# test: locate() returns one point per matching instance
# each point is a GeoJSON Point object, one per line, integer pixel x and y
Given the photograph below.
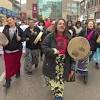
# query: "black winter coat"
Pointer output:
{"type": "Point", "coordinates": [29, 43]}
{"type": "Point", "coordinates": [49, 61]}
{"type": "Point", "coordinates": [13, 44]}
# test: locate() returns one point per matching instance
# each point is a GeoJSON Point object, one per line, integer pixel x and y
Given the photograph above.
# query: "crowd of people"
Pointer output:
{"type": "Point", "coordinates": [58, 66]}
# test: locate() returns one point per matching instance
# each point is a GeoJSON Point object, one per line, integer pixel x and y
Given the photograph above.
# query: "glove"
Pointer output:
{"type": "Point", "coordinates": [55, 51]}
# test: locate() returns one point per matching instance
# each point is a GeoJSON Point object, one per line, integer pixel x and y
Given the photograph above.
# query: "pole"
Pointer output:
{"type": "Point", "coordinates": [77, 9]}
{"type": "Point", "coordinates": [86, 8]}
{"type": "Point", "coordinates": [20, 9]}
{"type": "Point", "coordinates": [71, 10]}
{"type": "Point", "coordinates": [20, 5]}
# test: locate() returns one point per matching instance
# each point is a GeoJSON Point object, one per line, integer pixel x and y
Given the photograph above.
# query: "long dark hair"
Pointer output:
{"type": "Point", "coordinates": [56, 23]}
{"type": "Point", "coordinates": [92, 22]}
{"type": "Point", "coordinates": [70, 22]}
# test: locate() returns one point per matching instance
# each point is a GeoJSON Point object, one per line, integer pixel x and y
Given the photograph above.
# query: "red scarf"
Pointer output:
{"type": "Point", "coordinates": [62, 43]}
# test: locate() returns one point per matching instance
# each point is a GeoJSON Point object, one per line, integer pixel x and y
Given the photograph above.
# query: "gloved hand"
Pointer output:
{"type": "Point", "coordinates": [55, 51]}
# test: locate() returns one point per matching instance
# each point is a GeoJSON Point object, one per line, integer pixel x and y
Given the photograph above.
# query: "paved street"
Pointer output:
{"type": "Point", "coordinates": [61, 20]}
{"type": "Point", "coordinates": [32, 87]}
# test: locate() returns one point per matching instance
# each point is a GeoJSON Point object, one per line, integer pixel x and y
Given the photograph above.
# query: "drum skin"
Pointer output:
{"type": "Point", "coordinates": [3, 40]}
{"type": "Point", "coordinates": [98, 39]}
{"type": "Point", "coordinates": [38, 38]}
{"type": "Point", "coordinates": [78, 48]}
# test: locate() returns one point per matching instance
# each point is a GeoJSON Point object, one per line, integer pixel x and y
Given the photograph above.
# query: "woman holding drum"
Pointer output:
{"type": "Point", "coordinates": [57, 63]}
{"type": "Point", "coordinates": [89, 34]}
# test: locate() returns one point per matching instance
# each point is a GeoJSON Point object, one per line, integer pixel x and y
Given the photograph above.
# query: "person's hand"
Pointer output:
{"type": "Point", "coordinates": [31, 30]}
{"type": "Point", "coordinates": [71, 75]}
{"type": "Point", "coordinates": [18, 37]}
{"type": "Point", "coordinates": [27, 39]}
{"type": "Point", "coordinates": [55, 51]}
{"type": "Point", "coordinates": [1, 45]}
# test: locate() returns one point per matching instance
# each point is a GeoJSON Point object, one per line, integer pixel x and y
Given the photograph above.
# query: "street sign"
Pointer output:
{"type": "Point", "coordinates": [34, 10]}
{"type": "Point", "coordinates": [7, 12]}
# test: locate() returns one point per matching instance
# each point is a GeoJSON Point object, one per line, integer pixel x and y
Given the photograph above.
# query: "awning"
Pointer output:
{"type": "Point", "coordinates": [7, 12]}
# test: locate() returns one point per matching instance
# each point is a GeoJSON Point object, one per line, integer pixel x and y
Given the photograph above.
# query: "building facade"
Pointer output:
{"type": "Point", "coordinates": [8, 8]}
{"type": "Point", "coordinates": [6, 4]}
{"type": "Point", "coordinates": [44, 8]}
{"type": "Point", "coordinates": [67, 9]}
{"type": "Point", "coordinates": [50, 8]}
{"type": "Point", "coordinates": [90, 9]}
{"type": "Point", "coordinates": [31, 8]}
{"type": "Point", "coordinates": [70, 9]}
{"type": "Point", "coordinates": [16, 6]}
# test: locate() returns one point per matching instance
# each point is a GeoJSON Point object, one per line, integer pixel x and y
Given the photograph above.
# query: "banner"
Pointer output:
{"type": "Point", "coordinates": [34, 10]}
{"type": "Point", "coordinates": [7, 12]}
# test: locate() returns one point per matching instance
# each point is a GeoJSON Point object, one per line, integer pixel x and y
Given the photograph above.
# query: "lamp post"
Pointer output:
{"type": "Point", "coordinates": [77, 10]}
{"type": "Point", "coordinates": [86, 8]}
{"type": "Point", "coordinates": [20, 5]}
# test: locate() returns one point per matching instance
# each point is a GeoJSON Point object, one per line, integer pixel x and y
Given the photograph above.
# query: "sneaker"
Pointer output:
{"type": "Point", "coordinates": [7, 83]}
{"type": "Point", "coordinates": [18, 75]}
{"type": "Point", "coordinates": [59, 98]}
{"type": "Point", "coordinates": [29, 72]}
{"type": "Point", "coordinates": [96, 65]}
{"type": "Point", "coordinates": [36, 65]}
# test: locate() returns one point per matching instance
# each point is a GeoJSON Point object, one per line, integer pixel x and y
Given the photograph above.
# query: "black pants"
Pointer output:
{"type": "Point", "coordinates": [91, 56]}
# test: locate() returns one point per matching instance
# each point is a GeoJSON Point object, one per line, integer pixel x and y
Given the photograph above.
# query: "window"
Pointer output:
{"type": "Point", "coordinates": [96, 2]}
{"type": "Point", "coordinates": [50, 8]}
{"type": "Point", "coordinates": [92, 2]}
